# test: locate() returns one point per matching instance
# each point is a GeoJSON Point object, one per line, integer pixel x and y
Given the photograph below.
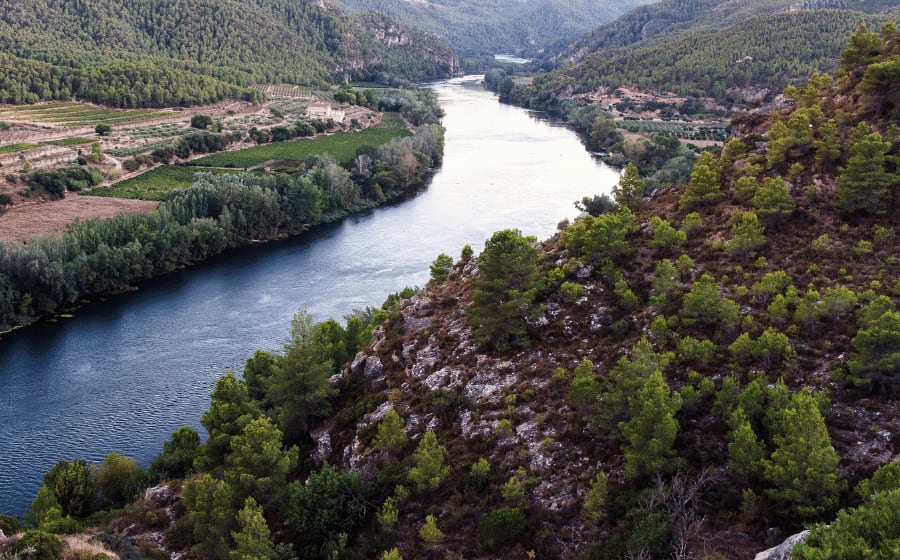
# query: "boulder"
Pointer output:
{"type": "Point", "coordinates": [160, 496]}
{"type": "Point", "coordinates": [783, 551]}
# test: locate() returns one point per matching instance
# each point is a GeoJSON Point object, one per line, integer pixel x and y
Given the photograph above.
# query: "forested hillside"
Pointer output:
{"type": "Point", "coordinates": [694, 374]}
{"type": "Point", "coordinates": [129, 53]}
{"type": "Point", "coordinates": [669, 18]}
{"type": "Point", "coordinates": [500, 26]}
{"type": "Point", "coordinates": [762, 52]}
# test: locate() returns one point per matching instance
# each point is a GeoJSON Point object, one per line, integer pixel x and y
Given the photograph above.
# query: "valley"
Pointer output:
{"type": "Point", "coordinates": [640, 287]}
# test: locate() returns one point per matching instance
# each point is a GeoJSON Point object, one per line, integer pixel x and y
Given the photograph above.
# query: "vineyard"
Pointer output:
{"type": "Point", "coordinates": [78, 114]}
{"type": "Point", "coordinates": [682, 129]}
{"type": "Point", "coordinates": [341, 146]}
{"type": "Point", "coordinates": [154, 184]}
{"type": "Point", "coordinates": [285, 90]}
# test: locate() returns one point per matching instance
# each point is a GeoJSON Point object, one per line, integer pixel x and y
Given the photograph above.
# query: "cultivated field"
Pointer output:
{"type": "Point", "coordinates": [154, 184]}
{"type": "Point", "coordinates": [78, 114]}
{"type": "Point", "coordinates": [341, 146]}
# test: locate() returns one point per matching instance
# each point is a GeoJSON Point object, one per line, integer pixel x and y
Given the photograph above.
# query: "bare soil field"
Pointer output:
{"type": "Point", "coordinates": [29, 221]}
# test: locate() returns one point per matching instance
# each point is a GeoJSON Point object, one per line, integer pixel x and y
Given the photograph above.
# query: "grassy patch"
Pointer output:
{"type": "Point", "coordinates": [341, 145]}
{"type": "Point", "coordinates": [154, 184]}
{"type": "Point", "coordinates": [75, 141]}
{"type": "Point", "coordinates": [17, 148]}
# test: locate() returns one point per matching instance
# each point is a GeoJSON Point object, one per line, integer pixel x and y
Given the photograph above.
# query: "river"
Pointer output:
{"type": "Point", "coordinates": [123, 373]}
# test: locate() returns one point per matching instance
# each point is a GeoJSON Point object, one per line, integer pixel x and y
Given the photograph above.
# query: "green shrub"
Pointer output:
{"type": "Point", "coordinates": [885, 479]}
{"type": "Point", "coordinates": [570, 292]}
{"type": "Point", "coordinates": [38, 545]}
{"type": "Point", "coordinates": [440, 268]}
{"type": "Point", "coordinates": [869, 531]}
{"type": "Point", "coordinates": [501, 527]}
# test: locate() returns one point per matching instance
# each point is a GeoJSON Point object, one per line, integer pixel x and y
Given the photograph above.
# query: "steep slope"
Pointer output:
{"type": "Point", "coordinates": [500, 26]}
{"type": "Point", "coordinates": [118, 51]}
{"type": "Point", "coordinates": [760, 317]}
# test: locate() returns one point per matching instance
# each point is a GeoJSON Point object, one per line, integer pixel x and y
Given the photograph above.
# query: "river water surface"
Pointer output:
{"type": "Point", "coordinates": [122, 374]}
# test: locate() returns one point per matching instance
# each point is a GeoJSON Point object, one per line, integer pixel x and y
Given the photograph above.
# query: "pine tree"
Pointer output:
{"type": "Point", "coordinates": [429, 470]}
{"type": "Point", "coordinates": [705, 187]}
{"type": "Point", "coordinates": [748, 235]}
{"type": "Point", "coordinates": [229, 412]}
{"type": "Point", "coordinates": [802, 472]}
{"type": "Point", "coordinates": [504, 294]}
{"type": "Point", "coordinates": [251, 542]}
{"type": "Point", "coordinates": [390, 436]}
{"type": "Point", "coordinates": [863, 185]}
{"type": "Point", "coordinates": [876, 352]}
{"type": "Point", "coordinates": [430, 534]}
{"type": "Point", "coordinates": [258, 464]}
{"type": "Point", "coordinates": [595, 498]}
{"type": "Point", "coordinates": [773, 201]}
{"type": "Point", "coordinates": [745, 451]}
{"type": "Point", "coordinates": [650, 434]}
{"type": "Point", "coordinates": [630, 189]}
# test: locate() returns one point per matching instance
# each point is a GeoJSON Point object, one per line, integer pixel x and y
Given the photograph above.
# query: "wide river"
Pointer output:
{"type": "Point", "coordinates": [122, 374]}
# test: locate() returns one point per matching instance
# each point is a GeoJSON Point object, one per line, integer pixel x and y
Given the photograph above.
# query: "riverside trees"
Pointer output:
{"type": "Point", "coordinates": [217, 212]}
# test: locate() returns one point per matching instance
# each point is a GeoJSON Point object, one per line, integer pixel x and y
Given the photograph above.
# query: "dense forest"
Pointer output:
{"type": "Point", "coordinates": [762, 53]}
{"type": "Point", "coordinates": [130, 53]}
{"type": "Point", "coordinates": [500, 26]}
{"type": "Point", "coordinates": [42, 277]}
{"type": "Point", "coordinates": [696, 374]}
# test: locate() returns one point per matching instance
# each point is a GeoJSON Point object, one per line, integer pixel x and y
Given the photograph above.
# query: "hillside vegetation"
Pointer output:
{"type": "Point", "coordinates": [500, 26]}
{"type": "Point", "coordinates": [705, 49]}
{"type": "Point", "coordinates": [129, 53]}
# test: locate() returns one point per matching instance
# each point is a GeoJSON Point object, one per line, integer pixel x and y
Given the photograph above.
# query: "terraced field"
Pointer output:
{"type": "Point", "coordinates": [78, 114]}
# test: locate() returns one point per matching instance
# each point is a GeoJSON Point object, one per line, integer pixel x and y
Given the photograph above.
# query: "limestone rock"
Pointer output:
{"type": "Point", "coordinates": [160, 496]}
{"type": "Point", "coordinates": [322, 437]}
{"type": "Point", "coordinates": [783, 551]}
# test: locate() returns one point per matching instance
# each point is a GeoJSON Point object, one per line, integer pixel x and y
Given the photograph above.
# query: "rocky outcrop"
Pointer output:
{"type": "Point", "coordinates": [818, 5]}
{"type": "Point", "coordinates": [160, 496]}
{"type": "Point", "coordinates": [783, 551]}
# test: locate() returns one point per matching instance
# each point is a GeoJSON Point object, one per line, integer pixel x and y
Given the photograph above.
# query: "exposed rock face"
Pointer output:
{"type": "Point", "coordinates": [783, 551]}
{"type": "Point", "coordinates": [818, 5]}
{"type": "Point", "coordinates": [160, 496]}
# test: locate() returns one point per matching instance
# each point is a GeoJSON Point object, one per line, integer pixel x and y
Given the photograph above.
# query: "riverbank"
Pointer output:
{"type": "Point", "coordinates": [125, 372]}
{"type": "Point", "coordinates": [42, 277]}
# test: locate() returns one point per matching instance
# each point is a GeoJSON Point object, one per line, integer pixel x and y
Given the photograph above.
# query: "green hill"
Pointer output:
{"type": "Point", "coordinates": [500, 26]}
{"type": "Point", "coordinates": [148, 53]}
{"type": "Point", "coordinates": [766, 51]}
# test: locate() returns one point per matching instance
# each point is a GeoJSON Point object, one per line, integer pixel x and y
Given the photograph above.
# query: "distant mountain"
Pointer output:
{"type": "Point", "coordinates": [500, 26]}
{"type": "Point", "coordinates": [669, 18]}
{"type": "Point", "coordinates": [148, 52]}
{"type": "Point", "coordinates": [731, 51]}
